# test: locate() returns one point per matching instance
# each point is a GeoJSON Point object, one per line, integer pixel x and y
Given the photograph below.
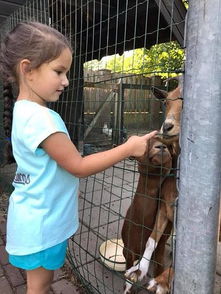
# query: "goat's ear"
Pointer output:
{"type": "Point", "coordinates": [158, 93]}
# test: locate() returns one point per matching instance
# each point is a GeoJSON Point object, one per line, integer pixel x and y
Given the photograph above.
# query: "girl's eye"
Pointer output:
{"type": "Point", "coordinates": [58, 72]}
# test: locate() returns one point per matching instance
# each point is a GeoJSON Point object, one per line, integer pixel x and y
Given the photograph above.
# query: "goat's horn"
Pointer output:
{"type": "Point", "coordinates": [170, 79]}
{"type": "Point", "coordinates": [177, 78]}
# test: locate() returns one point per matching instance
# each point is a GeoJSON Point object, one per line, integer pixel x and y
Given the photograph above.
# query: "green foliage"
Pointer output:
{"type": "Point", "coordinates": [163, 59]}
{"type": "Point", "coordinates": [186, 3]}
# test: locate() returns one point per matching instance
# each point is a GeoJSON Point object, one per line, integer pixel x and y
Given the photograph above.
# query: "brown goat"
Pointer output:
{"type": "Point", "coordinates": [140, 217]}
{"type": "Point", "coordinates": [169, 134]}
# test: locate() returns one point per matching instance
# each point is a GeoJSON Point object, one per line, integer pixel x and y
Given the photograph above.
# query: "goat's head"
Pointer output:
{"type": "Point", "coordinates": [170, 129]}
{"type": "Point", "coordinates": [157, 159]}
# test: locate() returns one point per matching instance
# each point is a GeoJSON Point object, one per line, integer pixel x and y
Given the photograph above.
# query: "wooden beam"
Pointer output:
{"type": "Point", "coordinates": [177, 11]}
{"type": "Point", "coordinates": [16, 4]}
{"type": "Point", "coordinates": [100, 85]}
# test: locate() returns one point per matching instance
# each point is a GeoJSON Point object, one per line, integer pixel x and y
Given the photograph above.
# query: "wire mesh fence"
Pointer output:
{"type": "Point", "coordinates": [122, 49]}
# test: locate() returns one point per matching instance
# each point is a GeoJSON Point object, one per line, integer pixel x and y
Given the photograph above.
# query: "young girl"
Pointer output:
{"type": "Point", "coordinates": [43, 208]}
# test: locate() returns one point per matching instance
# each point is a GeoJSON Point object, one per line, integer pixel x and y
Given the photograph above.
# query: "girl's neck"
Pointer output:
{"type": "Point", "coordinates": [26, 94]}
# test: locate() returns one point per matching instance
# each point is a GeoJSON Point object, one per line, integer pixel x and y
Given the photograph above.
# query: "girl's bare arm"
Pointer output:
{"type": "Point", "coordinates": [64, 152]}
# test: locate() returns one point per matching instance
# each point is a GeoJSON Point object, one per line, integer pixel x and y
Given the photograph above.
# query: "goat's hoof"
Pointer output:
{"type": "Point", "coordinates": [127, 291]}
{"type": "Point", "coordinates": [128, 288]}
{"type": "Point", "coordinates": [133, 276]}
{"type": "Point", "coordinates": [157, 288]}
{"type": "Point", "coordinates": [152, 287]}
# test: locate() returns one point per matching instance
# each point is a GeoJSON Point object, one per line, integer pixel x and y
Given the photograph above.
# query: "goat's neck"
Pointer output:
{"type": "Point", "coordinates": [149, 180]}
{"type": "Point", "coordinates": [174, 149]}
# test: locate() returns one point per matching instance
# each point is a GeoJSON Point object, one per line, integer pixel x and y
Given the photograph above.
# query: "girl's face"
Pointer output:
{"type": "Point", "coordinates": [47, 82]}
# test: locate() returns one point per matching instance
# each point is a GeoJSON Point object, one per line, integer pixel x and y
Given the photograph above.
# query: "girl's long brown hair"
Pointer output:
{"type": "Point", "coordinates": [36, 42]}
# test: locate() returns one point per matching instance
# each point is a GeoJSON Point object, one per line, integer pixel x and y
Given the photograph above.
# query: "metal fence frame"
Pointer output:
{"type": "Point", "coordinates": [200, 161]}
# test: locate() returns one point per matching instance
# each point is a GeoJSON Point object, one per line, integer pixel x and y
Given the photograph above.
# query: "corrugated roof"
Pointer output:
{"type": "Point", "coordinates": [8, 7]}
{"type": "Point", "coordinates": [129, 24]}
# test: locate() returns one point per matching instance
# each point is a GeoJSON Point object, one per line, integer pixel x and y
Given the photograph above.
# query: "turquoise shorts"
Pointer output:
{"type": "Point", "coordinates": [51, 258]}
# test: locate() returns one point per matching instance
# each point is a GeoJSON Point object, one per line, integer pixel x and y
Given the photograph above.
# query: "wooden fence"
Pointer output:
{"type": "Point", "coordinates": [124, 103]}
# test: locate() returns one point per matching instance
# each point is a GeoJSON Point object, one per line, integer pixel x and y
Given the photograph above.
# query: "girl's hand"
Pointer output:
{"type": "Point", "coordinates": [68, 157]}
{"type": "Point", "coordinates": [138, 145]}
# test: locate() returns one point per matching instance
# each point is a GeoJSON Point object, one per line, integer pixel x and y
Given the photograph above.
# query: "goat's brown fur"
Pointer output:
{"type": "Point", "coordinates": [140, 217]}
{"type": "Point", "coordinates": [169, 134]}
{"type": "Point", "coordinates": [164, 281]}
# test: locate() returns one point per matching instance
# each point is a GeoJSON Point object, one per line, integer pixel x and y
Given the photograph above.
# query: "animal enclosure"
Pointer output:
{"type": "Point", "coordinates": [123, 50]}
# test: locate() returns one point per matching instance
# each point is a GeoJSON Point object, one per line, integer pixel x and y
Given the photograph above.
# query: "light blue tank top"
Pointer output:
{"type": "Point", "coordinates": [43, 208]}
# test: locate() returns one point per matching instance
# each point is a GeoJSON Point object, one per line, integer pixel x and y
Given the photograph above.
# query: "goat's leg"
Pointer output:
{"type": "Point", "coordinates": [137, 272]}
{"type": "Point", "coordinates": [159, 253]}
{"type": "Point", "coordinates": [162, 283]}
{"type": "Point", "coordinates": [130, 258]}
{"type": "Point", "coordinates": [127, 287]}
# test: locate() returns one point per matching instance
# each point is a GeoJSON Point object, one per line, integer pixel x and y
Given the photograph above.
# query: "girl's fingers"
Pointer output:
{"type": "Point", "coordinates": [150, 135]}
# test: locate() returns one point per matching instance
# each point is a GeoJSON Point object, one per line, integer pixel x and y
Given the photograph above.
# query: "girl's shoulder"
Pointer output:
{"type": "Point", "coordinates": [25, 109]}
{"type": "Point", "coordinates": [32, 121]}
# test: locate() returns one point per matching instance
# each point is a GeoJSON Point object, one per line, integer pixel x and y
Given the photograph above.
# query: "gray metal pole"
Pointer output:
{"type": "Point", "coordinates": [200, 161]}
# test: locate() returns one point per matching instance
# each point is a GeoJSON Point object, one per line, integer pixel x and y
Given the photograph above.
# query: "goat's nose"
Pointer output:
{"type": "Point", "coordinates": [167, 127]}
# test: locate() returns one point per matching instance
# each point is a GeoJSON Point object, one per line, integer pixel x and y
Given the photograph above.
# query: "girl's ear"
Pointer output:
{"type": "Point", "coordinates": [25, 68]}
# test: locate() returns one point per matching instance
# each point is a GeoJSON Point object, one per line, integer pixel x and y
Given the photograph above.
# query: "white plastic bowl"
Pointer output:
{"type": "Point", "coordinates": [111, 254]}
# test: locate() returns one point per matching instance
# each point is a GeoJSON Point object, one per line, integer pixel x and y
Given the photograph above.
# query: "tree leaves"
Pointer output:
{"type": "Point", "coordinates": [165, 60]}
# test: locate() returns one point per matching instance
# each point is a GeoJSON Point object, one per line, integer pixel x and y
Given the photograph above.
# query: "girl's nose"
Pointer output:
{"type": "Point", "coordinates": [65, 81]}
